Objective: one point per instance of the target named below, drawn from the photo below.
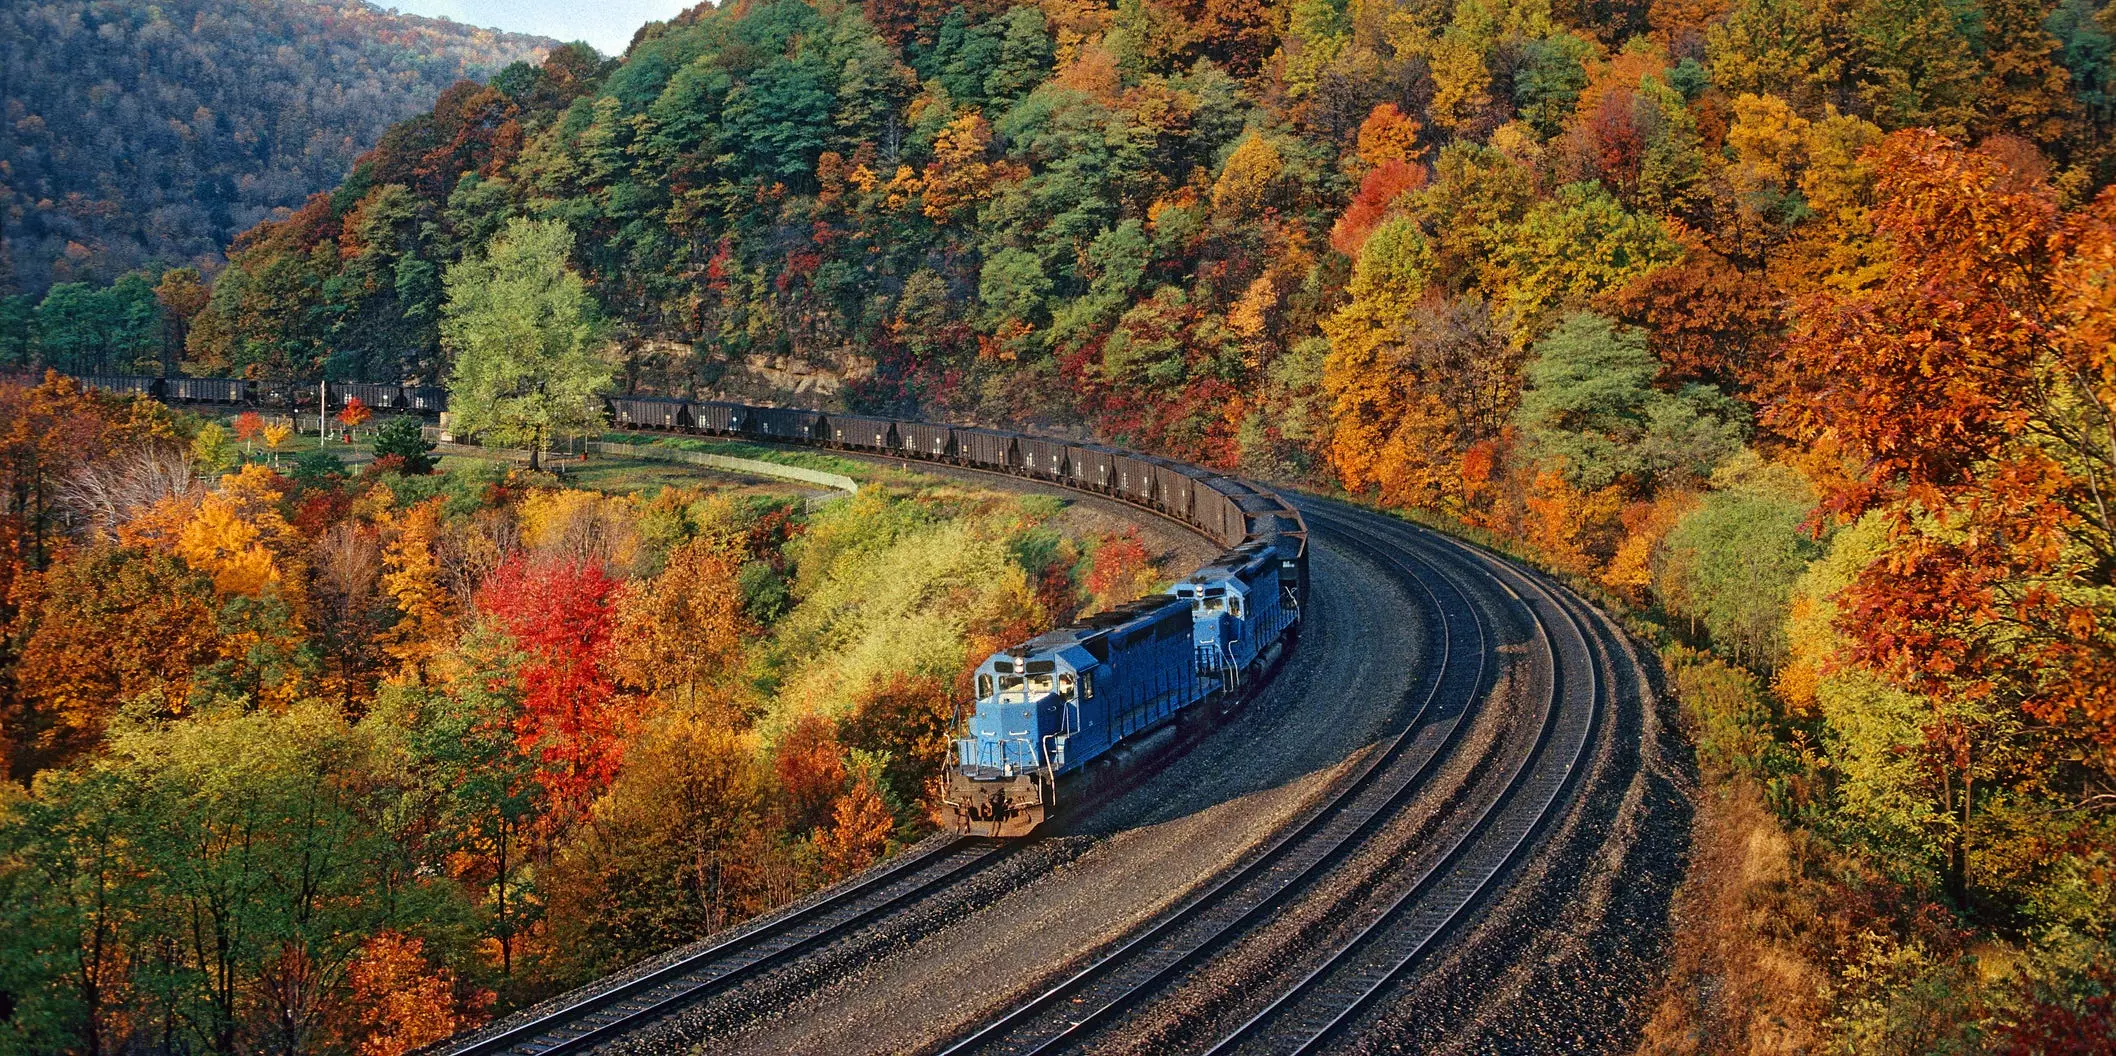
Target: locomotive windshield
(1022, 689)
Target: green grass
(602, 473)
(815, 460)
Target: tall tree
(526, 337)
(1974, 385)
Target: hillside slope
(138, 132)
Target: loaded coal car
(206, 390)
(790, 425)
(1044, 458)
(1135, 478)
(987, 449)
(862, 433)
(1175, 485)
(925, 440)
(649, 412)
(1093, 466)
(376, 397)
(1048, 709)
(719, 419)
(1213, 509)
(427, 399)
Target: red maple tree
(573, 721)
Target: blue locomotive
(1064, 702)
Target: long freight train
(1075, 700)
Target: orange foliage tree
(101, 629)
(684, 627)
(355, 413)
(860, 826)
(1978, 384)
(810, 765)
(401, 1001)
(1119, 570)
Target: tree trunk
(506, 933)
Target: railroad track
(1333, 995)
(1100, 994)
(602, 1016)
(1324, 1001)
(1117, 980)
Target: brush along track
(1335, 993)
(1119, 978)
(588, 1021)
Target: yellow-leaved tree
(412, 577)
(1389, 433)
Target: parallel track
(1119, 979)
(606, 1014)
(1337, 992)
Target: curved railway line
(1407, 900)
(1321, 1003)
(1329, 998)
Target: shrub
(403, 439)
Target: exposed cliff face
(671, 366)
(795, 376)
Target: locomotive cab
(1004, 780)
(1220, 616)
(1237, 612)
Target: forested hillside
(1788, 327)
(139, 133)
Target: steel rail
(604, 1015)
(1311, 848)
(1444, 893)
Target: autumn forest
(1785, 329)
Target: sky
(607, 24)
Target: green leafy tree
(1591, 405)
(1731, 563)
(212, 449)
(405, 439)
(526, 337)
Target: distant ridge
(137, 133)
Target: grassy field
(598, 472)
(815, 460)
